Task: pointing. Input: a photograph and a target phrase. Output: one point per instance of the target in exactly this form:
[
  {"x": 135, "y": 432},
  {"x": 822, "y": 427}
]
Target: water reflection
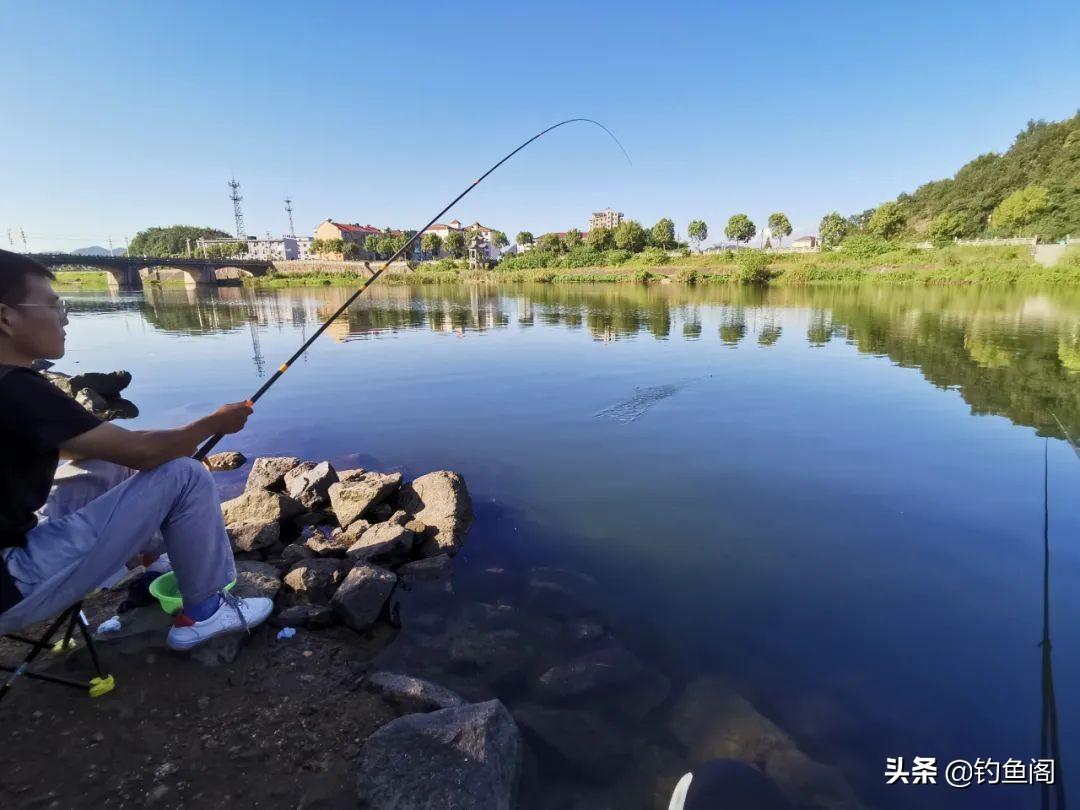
[{"x": 1009, "y": 354}]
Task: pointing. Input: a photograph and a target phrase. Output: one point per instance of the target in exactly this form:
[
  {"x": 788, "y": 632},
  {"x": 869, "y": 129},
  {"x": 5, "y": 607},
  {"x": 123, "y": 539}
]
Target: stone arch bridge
[{"x": 127, "y": 272}]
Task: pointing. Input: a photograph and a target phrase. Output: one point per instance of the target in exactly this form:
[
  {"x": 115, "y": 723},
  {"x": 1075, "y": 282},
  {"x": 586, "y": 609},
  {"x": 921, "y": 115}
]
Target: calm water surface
[{"x": 831, "y": 497}]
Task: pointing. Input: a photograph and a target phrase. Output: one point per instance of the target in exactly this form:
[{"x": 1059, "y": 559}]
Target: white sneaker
[{"x": 232, "y": 615}]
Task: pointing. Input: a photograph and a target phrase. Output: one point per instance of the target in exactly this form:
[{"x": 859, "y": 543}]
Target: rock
[
  {"x": 558, "y": 592},
  {"x": 253, "y": 534},
  {"x": 223, "y": 462},
  {"x": 381, "y": 512},
  {"x": 324, "y": 541},
  {"x": 585, "y": 740},
  {"x": 256, "y": 579},
  {"x": 309, "y": 483},
  {"x": 463, "y": 757},
  {"x": 494, "y": 654},
  {"x": 645, "y": 695},
  {"x": 352, "y": 475},
  {"x": 119, "y": 408},
  {"x": 409, "y": 695},
  {"x": 359, "y": 601},
  {"x": 108, "y": 384},
  {"x": 221, "y": 650},
  {"x": 440, "y": 500},
  {"x": 429, "y": 570},
  {"x": 351, "y": 497},
  {"x": 259, "y": 505},
  {"x": 312, "y": 617},
  {"x": 318, "y": 517},
  {"x": 611, "y": 665},
  {"x": 268, "y": 472},
  {"x": 294, "y": 553},
  {"x": 91, "y": 400},
  {"x": 355, "y": 530},
  {"x": 383, "y": 541},
  {"x": 584, "y": 629},
  {"x": 315, "y": 580},
  {"x": 712, "y": 721}
]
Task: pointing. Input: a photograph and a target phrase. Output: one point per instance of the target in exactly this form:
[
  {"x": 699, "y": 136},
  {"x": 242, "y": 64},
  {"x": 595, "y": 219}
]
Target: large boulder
[
  {"x": 309, "y": 483},
  {"x": 463, "y": 757},
  {"x": 409, "y": 695},
  {"x": 259, "y": 505},
  {"x": 426, "y": 570},
  {"x": 315, "y": 580},
  {"x": 253, "y": 535},
  {"x": 360, "y": 599},
  {"x": 440, "y": 500},
  {"x": 610, "y": 665},
  {"x": 256, "y": 579},
  {"x": 268, "y": 472},
  {"x": 325, "y": 541},
  {"x": 713, "y": 721},
  {"x": 223, "y": 462},
  {"x": 357, "y": 493},
  {"x": 107, "y": 384},
  {"x": 383, "y": 541}
]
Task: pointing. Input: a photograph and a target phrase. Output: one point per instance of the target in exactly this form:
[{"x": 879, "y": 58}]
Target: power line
[{"x": 236, "y": 198}]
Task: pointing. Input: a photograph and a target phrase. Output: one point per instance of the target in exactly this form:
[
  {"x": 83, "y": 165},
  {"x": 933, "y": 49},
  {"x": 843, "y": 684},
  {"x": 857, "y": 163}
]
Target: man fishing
[{"x": 63, "y": 534}]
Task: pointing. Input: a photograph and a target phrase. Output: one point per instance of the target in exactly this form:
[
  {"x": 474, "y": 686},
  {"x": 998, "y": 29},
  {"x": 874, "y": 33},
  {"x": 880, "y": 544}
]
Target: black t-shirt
[{"x": 36, "y": 417}]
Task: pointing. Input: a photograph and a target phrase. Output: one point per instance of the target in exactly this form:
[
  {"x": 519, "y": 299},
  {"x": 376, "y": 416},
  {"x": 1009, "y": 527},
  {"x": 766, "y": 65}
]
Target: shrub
[
  {"x": 864, "y": 246},
  {"x": 643, "y": 276},
  {"x": 617, "y": 257},
  {"x": 653, "y": 256},
  {"x": 688, "y": 275},
  {"x": 753, "y": 267}
]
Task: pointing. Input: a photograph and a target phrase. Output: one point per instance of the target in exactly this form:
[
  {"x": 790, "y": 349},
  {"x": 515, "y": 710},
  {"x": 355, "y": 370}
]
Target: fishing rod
[{"x": 373, "y": 276}]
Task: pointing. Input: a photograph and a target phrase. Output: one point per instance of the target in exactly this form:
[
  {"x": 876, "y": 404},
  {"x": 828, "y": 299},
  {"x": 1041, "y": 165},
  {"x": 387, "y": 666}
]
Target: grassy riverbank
[{"x": 906, "y": 265}]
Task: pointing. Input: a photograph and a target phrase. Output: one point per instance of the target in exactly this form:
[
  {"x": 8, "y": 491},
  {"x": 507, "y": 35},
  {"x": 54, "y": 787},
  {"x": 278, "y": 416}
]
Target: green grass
[{"x": 83, "y": 279}]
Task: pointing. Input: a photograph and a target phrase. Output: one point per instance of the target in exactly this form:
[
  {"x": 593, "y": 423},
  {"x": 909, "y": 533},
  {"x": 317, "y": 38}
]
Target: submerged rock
[
  {"x": 611, "y": 665},
  {"x": 360, "y": 599},
  {"x": 268, "y": 472},
  {"x": 253, "y": 535},
  {"x": 428, "y": 570},
  {"x": 463, "y": 757},
  {"x": 409, "y": 695},
  {"x": 583, "y": 739},
  {"x": 259, "y": 505},
  {"x": 356, "y": 493},
  {"x": 223, "y": 462},
  {"x": 440, "y": 500}
]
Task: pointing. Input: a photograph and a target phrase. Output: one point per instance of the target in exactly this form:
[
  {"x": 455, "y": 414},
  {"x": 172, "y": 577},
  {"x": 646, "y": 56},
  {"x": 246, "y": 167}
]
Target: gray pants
[{"x": 99, "y": 516}]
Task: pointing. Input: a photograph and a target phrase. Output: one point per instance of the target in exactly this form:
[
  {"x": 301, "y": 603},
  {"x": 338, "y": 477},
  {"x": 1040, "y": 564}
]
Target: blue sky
[{"x": 119, "y": 116}]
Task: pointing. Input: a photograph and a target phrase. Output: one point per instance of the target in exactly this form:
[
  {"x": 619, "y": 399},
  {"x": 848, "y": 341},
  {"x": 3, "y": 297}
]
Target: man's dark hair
[{"x": 15, "y": 269}]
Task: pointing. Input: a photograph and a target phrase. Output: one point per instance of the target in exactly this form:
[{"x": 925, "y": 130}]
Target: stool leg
[
  {"x": 39, "y": 645},
  {"x": 89, "y": 645}
]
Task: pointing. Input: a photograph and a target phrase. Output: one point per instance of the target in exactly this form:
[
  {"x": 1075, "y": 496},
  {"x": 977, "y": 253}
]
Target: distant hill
[
  {"x": 97, "y": 250},
  {"x": 1045, "y": 156}
]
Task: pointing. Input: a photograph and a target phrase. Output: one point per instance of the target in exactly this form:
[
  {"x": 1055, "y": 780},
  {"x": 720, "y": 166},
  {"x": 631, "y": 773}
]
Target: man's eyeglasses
[{"x": 60, "y": 306}]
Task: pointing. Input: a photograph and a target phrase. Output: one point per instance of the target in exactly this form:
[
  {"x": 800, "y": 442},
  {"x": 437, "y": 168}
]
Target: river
[{"x": 831, "y": 498}]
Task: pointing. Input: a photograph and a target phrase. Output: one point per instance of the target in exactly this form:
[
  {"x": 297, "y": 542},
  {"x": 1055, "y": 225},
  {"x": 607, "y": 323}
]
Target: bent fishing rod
[{"x": 373, "y": 275}]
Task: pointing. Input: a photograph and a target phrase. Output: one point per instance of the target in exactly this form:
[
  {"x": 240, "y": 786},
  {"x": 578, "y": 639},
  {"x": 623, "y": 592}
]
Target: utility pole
[
  {"x": 110, "y": 246},
  {"x": 22, "y": 233},
  {"x": 236, "y": 198},
  {"x": 10, "y": 238},
  {"x": 288, "y": 210},
  {"x": 188, "y": 241}
]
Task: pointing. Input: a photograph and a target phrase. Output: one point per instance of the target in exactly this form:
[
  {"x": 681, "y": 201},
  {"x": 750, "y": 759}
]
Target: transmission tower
[
  {"x": 236, "y": 198},
  {"x": 288, "y": 210}
]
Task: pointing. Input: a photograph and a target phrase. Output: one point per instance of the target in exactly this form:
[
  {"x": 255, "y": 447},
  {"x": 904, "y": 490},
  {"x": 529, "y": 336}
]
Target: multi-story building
[
  {"x": 348, "y": 232},
  {"x": 605, "y": 219},
  {"x": 487, "y": 235}
]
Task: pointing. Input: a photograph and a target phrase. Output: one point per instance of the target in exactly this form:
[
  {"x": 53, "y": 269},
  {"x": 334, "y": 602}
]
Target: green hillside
[{"x": 1033, "y": 189}]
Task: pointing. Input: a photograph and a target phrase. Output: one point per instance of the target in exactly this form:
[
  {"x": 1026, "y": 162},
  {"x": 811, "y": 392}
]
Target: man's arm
[{"x": 146, "y": 449}]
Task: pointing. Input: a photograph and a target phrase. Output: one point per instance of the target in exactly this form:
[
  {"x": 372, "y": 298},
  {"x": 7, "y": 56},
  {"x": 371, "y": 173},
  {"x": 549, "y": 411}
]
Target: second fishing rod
[{"x": 373, "y": 275}]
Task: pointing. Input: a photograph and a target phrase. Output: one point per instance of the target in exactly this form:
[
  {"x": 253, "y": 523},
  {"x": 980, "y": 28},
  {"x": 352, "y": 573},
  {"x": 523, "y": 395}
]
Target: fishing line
[{"x": 209, "y": 444}]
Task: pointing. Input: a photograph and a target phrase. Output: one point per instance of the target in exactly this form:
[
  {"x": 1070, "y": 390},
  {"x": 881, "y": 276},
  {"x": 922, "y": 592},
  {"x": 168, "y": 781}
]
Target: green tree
[
  {"x": 662, "y": 234},
  {"x": 779, "y": 226},
  {"x": 859, "y": 221},
  {"x": 944, "y": 228},
  {"x": 600, "y": 239},
  {"x": 572, "y": 238},
  {"x": 887, "y": 221},
  {"x": 350, "y": 250},
  {"x": 171, "y": 241},
  {"x": 630, "y": 236},
  {"x": 431, "y": 244},
  {"x": 322, "y": 247},
  {"x": 499, "y": 240},
  {"x": 549, "y": 243},
  {"x": 832, "y": 229},
  {"x": 524, "y": 238},
  {"x": 227, "y": 250},
  {"x": 698, "y": 232},
  {"x": 1020, "y": 209},
  {"x": 740, "y": 228},
  {"x": 455, "y": 244}
]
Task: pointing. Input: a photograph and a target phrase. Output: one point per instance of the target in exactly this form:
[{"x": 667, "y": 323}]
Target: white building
[
  {"x": 805, "y": 244},
  {"x": 605, "y": 219},
  {"x": 287, "y": 248},
  {"x": 487, "y": 234}
]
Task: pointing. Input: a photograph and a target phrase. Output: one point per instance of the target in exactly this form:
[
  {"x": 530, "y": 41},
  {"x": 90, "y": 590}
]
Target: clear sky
[{"x": 118, "y": 116}]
